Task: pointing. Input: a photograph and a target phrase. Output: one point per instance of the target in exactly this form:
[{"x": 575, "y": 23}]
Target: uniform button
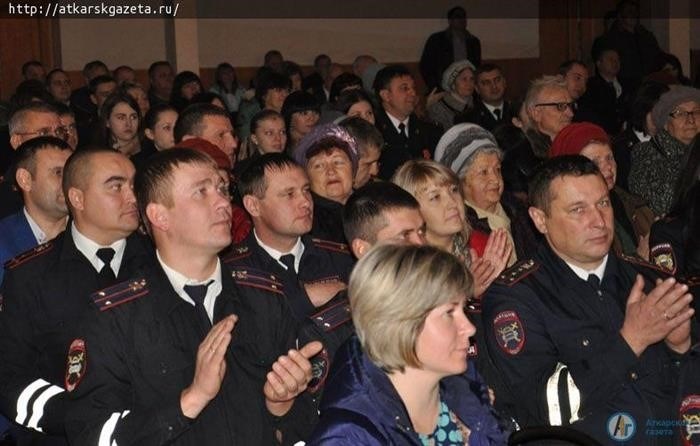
[
  {"x": 634, "y": 376},
  {"x": 170, "y": 428},
  {"x": 585, "y": 342}
]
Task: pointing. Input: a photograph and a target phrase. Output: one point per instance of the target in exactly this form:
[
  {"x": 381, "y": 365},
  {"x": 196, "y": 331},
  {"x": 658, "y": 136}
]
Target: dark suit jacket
[
  {"x": 480, "y": 115},
  {"x": 600, "y": 106},
  {"x": 422, "y": 139},
  {"x": 15, "y": 237},
  {"x": 438, "y": 55}
]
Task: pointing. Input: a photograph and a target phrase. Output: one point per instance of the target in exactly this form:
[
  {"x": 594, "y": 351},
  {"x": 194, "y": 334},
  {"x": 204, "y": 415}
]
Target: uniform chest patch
[
  {"x": 509, "y": 332},
  {"x": 690, "y": 420},
  {"x": 320, "y": 365},
  {"x": 76, "y": 364}
]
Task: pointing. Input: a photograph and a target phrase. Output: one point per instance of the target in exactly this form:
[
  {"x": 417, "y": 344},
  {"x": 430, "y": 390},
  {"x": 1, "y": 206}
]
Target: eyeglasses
[
  {"x": 684, "y": 114},
  {"x": 59, "y": 132},
  {"x": 560, "y": 106}
]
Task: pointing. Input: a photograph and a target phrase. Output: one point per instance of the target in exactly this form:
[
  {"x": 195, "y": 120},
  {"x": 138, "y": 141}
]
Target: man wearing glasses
[
  {"x": 550, "y": 109},
  {"x": 31, "y": 121}
]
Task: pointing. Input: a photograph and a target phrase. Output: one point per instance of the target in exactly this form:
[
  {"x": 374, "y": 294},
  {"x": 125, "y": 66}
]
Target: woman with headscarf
[{"x": 458, "y": 83}]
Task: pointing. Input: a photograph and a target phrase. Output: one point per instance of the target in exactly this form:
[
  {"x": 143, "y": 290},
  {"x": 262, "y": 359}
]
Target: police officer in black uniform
[
  {"x": 285, "y": 277},
  {"x": 581, "y": 337},
  {"x": 46, "y": 290}
]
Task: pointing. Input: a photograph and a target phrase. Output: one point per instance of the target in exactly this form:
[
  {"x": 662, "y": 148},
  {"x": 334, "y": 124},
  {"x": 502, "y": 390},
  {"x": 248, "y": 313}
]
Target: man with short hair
[
  {"x": 124, "y": 74},
  {"x": 33, "y": 70},
  {"x": 444, "y": 47},
  {"x": 575, "y": 73},
  {"x": 80, "y": 98},
  {"x": 369, "y": 149},
  {"x": 580, "y": 335},
  {"x": 30, "y": 121},
  {"x": 161, "y": 354},
  {"x": 550, "y": 108},
  {"x": 605, "y": 98},
  {"x": 160, "y": 79},
  {"x": 38, "y": 171},
  {"x": 361, "y": 62},
  {"x": 314, "y": 81},
  {"x": 490, "y": 107},
  {"x": 285, "y": 277},
  {"x": 47, "y": 290},
  {"x": 406, "y": 136},
  {"x": 208, "y": 122},
  {"x": 70, "y": 126},
  {"x": 58, "y": 85}
]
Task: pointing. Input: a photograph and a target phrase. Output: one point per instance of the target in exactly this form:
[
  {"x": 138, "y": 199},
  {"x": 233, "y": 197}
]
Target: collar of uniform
[
  {"x": 583, "y": 274},
  {"x": 297, "y": 250},
  {"x": 39, "y": 234},
  {"x": 89, "y": 249},
  {"x": 178, "y": 282},
  {"x": 395, "y": 122}
]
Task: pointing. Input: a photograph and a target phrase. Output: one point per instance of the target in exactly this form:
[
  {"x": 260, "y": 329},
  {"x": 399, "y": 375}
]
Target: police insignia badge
[
  {"x": 320, "y": 364},
  {"x": 509, "y": 332},
  {"x": 662, "y": 256},
  {"x": 76, "y": 364},
  {"x": 690, "y": 420}
]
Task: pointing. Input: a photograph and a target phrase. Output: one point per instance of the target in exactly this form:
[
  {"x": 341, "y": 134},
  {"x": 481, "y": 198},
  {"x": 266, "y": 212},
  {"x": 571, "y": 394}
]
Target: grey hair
[{"x": 539, "y": 84}]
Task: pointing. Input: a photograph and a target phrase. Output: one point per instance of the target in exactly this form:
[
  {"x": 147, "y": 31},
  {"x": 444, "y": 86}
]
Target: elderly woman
[
  {"x": 473, "y": 154},
  {"x": 329, "y": 155},
  {"x": 657, "y": 163},
  {"x": 633, "y": 219},
  {"x": 436, "y": 188},
  {"x": 404, "y": 379},
  {"x": 458, "y": 83}
]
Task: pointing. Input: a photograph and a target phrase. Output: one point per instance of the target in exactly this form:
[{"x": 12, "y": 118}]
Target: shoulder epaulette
[
  {"x": 644, "y": 264},
  {"x": 331, "y": 246},
  {"x": 237, "y": 253},
  {"x": 119, "y": 294},
  {"x": 30, "y": 254},
  {"x": 255, "y": 278},
  {"x": 328, "y": 319},
  {"x": 517, "y": 272}
]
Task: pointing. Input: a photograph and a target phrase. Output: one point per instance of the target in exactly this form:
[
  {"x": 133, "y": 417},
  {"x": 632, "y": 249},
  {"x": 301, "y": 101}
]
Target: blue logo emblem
[{"x": 621, "y": 426}]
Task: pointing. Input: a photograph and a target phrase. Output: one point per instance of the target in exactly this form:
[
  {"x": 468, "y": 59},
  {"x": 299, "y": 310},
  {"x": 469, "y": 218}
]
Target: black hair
[
  {"x": 99, "y": 80},
  {"x": 25, "y": 155},
  {"x": 183, "y": 78},
  {"x": 296, "y": 102},
  {"x": 386, "y": 75},
  {"x": 270, "y": 80},
  {"x": 363, "y": 214},
  {"x": 190, "y": 120},
  {"x": 252, "y": 179},
  {"x": 343, "y": 82},
  {"x": 643, "y": 102},
  {"x": 365, "y": 134},
  {"x": 151, "y": 118},
  {"x": 539, "y": 189}
]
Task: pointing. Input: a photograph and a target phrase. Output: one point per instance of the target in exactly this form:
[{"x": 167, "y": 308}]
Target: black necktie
[
  {"x": 197, "y": 293},
  {"x": 288, "y": 261},
  {"x": 594, "y": 282},
  {"x": 497, "y": 113},
  {"x": 402, "y": 130},
  {"x": 106, "y": 276}
]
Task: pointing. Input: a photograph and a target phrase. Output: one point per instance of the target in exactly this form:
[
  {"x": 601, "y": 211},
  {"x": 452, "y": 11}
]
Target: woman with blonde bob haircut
[
  {"x": 436, "y": 188},
  {"x": 404, "y": 379}
]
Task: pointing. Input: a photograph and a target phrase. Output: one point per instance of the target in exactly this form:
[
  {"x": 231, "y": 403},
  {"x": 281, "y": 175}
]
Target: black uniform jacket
[
  {"x": 556, "y": 340},
  {"x": 275, "y": 303},
  {"x": 141, "y": 347},
  {"x": 45, "y": 293}
]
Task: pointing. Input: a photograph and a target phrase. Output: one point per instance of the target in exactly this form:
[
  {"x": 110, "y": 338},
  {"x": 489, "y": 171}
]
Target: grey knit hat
[
  {"x": 308, "y": 145},
  {"x": 459, "y": 143},
  {"x": 668, "y": 101},
  {"x": 449, "y": 76}
]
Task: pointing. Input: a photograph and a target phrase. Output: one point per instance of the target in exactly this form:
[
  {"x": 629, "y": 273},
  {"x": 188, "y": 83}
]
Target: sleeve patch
[
  {"x": 76, "y": 364},
  {"x": 690, "y": 420},
  {"x": 509, "y": 331},
  {"x": 662, "y": 256}
]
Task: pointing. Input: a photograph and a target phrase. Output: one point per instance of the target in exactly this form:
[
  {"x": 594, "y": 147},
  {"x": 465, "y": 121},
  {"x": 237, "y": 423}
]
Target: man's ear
[
  {"x": 359, "y": 247},
  {"x": 384, "y": 94},
  {"x": 24, "y": 179},
  {"x": 157, "y": 216},
  {"x": 149, "y": 134},
  {"x": 76, "y": 198},
  {"x": 251, "y": 203},
  {"x": 15, "y": 141},
  {"x": 538, "y": 218}
]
